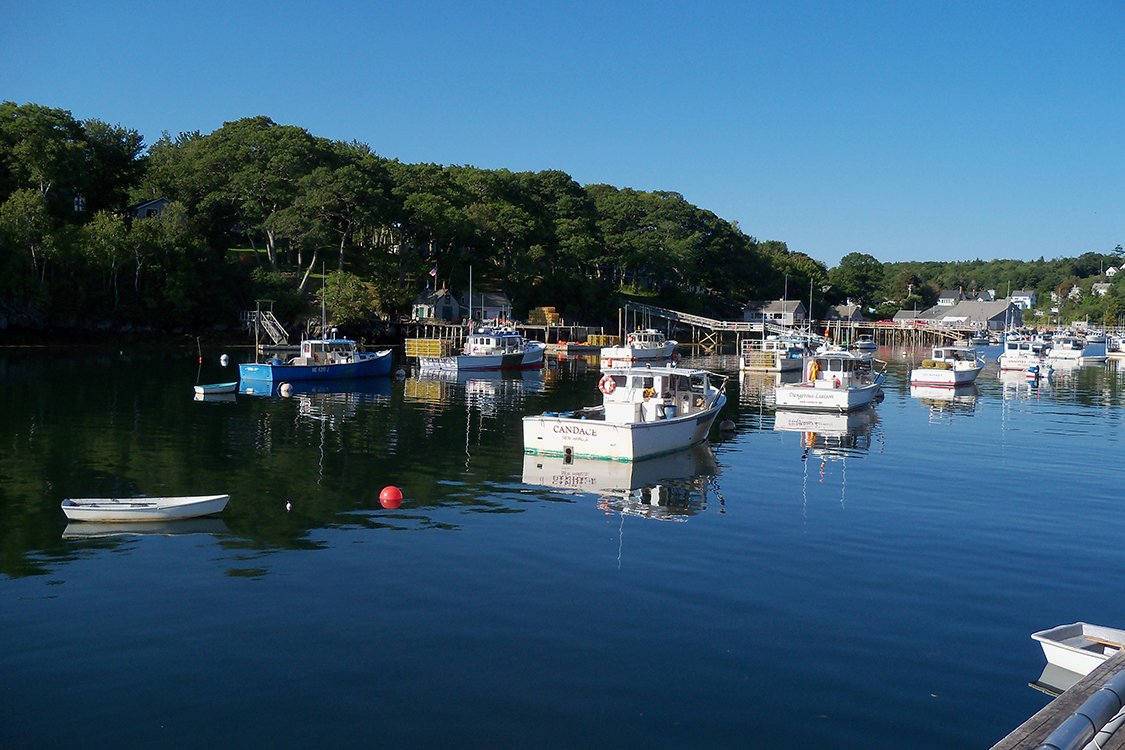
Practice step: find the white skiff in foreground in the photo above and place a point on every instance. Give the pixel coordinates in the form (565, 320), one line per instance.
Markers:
(646, 411)
(142, 508)
(1080, 647)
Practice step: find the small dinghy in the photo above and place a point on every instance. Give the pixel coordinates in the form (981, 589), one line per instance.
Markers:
(1080, 647)
(131, 509)
(214, 388)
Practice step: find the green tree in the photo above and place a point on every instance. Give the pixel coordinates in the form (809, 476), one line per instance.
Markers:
(859, 277)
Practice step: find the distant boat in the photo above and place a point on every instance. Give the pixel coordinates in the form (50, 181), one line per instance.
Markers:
(646, 411)
(864, 343)
(835, 380)
(1080, 647)
(643, 345)
(321, 359)
(216, 388)
(142, 508)
(500, 348)
(773, 354)
(948, 366)
(1021, 352)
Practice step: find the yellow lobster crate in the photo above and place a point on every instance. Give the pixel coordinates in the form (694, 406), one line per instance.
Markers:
(428, 347)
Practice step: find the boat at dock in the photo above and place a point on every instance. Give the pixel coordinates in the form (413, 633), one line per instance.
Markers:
(773, 354)
(499, 348)
(321, 359)
(131, 509)
(642, 345)
(835, 380)
(645, 412)
(1080, 647)
(949, 367)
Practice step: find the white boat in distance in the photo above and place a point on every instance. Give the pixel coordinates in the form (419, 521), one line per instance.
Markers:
(864, 343)
(949, 367)
(642, 345)
(500, 348)
(1080, 647)
(835, 380)
(1021, 352)
(645, 412)
(216, 388)
(773, 354)
(1069, 347)
(129, 509)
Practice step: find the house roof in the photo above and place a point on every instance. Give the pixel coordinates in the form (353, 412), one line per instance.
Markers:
(973, 310)
(432, 296)
(775, 306)
(486, 299)
(161, 201)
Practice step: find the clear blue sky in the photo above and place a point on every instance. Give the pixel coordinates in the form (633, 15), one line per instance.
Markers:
(907, 130)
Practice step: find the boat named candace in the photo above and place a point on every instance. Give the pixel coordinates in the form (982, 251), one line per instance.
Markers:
(645, 412)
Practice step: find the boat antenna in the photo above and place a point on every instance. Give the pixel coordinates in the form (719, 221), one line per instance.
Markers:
(323, 294)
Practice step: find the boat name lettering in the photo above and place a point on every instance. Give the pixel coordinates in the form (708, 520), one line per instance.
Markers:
(566, 429)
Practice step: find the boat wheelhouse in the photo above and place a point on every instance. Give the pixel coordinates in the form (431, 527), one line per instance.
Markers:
(773, 354)
(321, 359)
(501, 348)
(1021, 352)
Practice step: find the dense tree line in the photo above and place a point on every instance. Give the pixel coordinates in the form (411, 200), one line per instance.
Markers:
(259, 209)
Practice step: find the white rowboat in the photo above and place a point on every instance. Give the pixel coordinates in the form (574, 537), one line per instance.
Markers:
(1080, 647)
(130, 509)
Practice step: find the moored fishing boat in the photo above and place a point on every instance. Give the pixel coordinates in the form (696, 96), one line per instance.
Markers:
(835, 380)
(948, 366)
(645, 412)
(500, 348)
(773, 354)
(864, 343)
(1021, 352)
(125, 509)
(642, 345)
(321, 359)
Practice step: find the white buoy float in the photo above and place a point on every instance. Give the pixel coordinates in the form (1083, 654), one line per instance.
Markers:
(224, 360)
(285, 389)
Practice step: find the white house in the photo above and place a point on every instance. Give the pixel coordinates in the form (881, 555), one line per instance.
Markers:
(1024, 299)
(781, 312)
(949, 298)
(1100, 290)
(1111, 272)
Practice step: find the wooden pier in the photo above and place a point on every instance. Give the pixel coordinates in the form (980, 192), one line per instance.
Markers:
(1035, 732)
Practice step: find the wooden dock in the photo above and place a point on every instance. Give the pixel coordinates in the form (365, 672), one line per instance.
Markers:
(1033, 733)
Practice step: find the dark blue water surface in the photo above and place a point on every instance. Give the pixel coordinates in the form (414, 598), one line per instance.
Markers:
(859, 582)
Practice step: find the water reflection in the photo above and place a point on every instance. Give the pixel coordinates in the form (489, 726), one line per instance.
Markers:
(944, 403)
(489, 391)
(668, 488)
(187, 526)
(830, 435)
(1017, 384)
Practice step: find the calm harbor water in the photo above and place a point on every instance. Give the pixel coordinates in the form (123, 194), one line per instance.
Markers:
(853, 582)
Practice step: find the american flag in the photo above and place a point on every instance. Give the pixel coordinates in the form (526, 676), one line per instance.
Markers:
(433, 271)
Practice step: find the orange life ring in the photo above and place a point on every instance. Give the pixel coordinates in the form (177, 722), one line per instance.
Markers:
(607, 385)
(835, 382)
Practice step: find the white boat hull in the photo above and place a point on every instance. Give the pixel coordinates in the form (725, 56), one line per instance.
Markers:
(935, 377)
(1073, 647)
(531, 358)
(616, 441)
(823, 397)
(131, 509)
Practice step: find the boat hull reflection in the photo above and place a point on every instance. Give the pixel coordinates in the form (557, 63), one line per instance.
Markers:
(671, 487)
(830, 434)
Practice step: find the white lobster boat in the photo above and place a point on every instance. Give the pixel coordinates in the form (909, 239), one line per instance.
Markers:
(835, 380)
(948, 367)
(1021, 352)
(645, 412)
(501, 348)
(643, 345)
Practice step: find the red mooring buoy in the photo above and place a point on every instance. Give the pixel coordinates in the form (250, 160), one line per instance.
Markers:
(390, 497)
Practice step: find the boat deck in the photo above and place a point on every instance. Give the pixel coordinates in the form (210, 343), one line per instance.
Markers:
(1035, 730)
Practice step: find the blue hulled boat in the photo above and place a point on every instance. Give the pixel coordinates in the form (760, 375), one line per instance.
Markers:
(321, 359)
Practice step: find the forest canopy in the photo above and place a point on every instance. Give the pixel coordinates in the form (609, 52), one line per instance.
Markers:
(259, 210)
